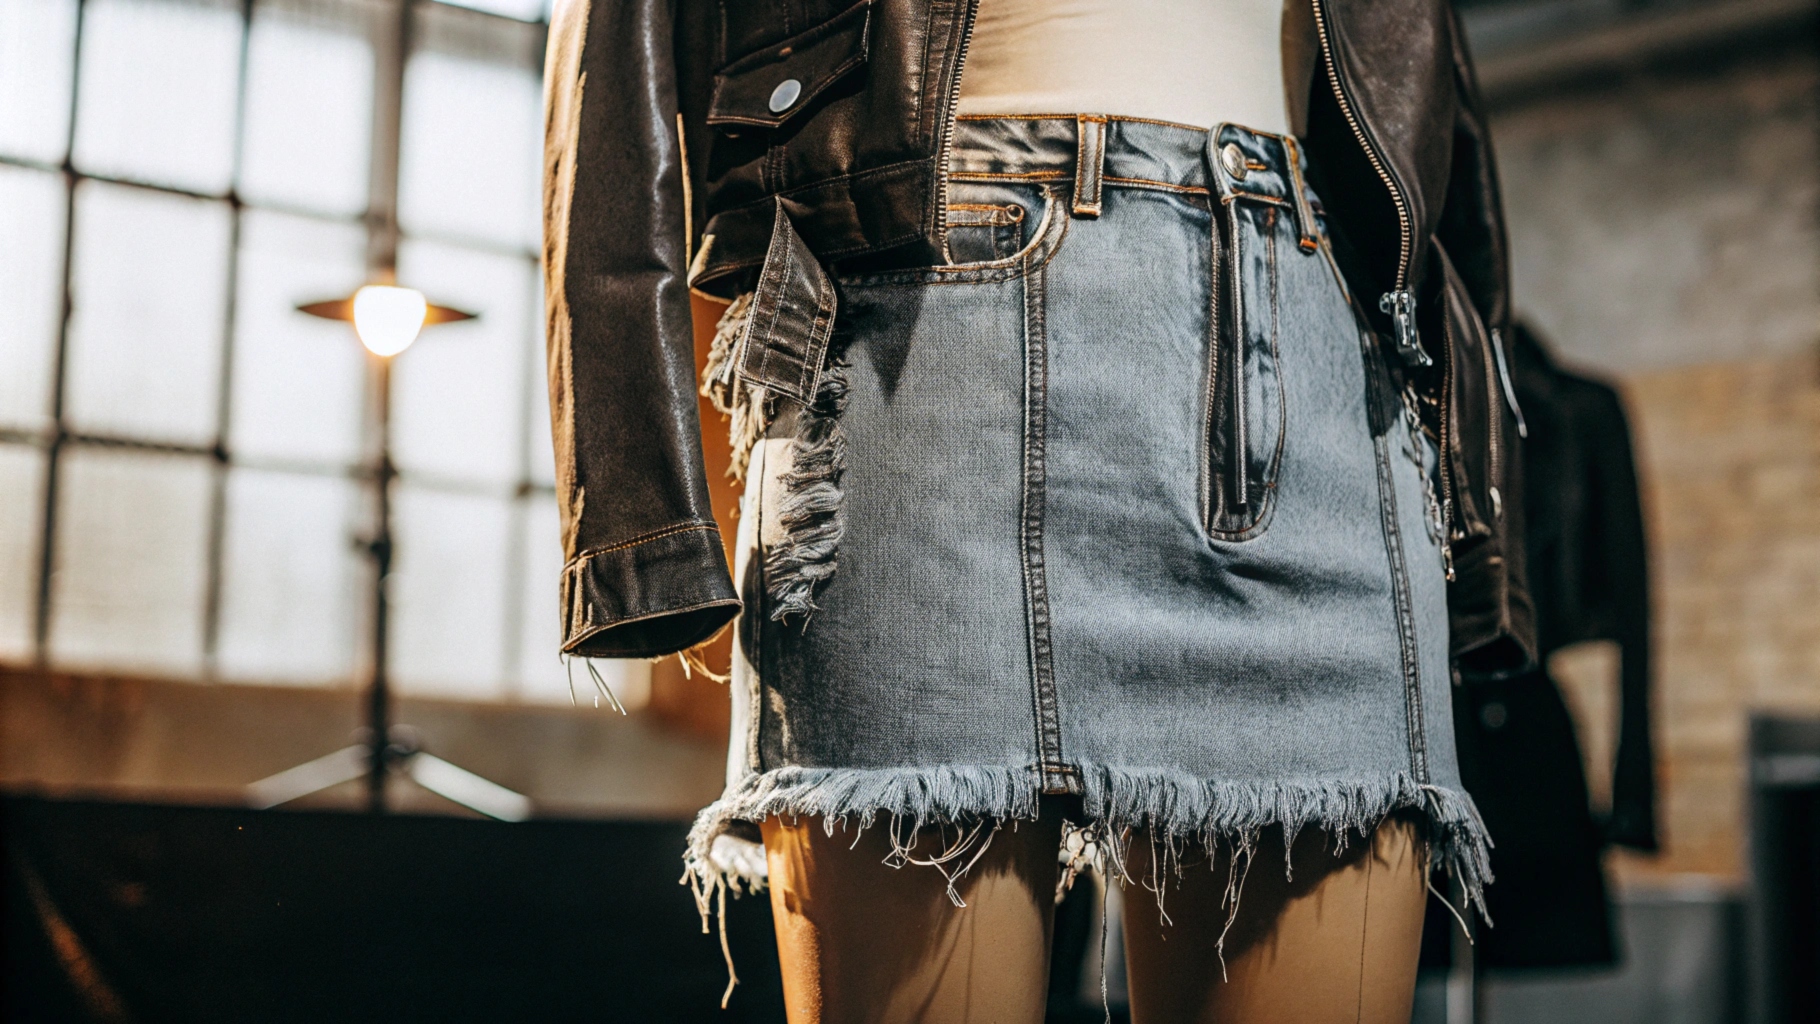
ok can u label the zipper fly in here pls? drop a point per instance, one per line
(1239, 459)
(1215, 254)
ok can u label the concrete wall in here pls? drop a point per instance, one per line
(1670, 220)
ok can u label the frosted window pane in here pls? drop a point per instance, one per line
(308, 118)
(540, 454)
(472, 150)
(298, 380)
(458, 391)
(157, 97)
(540, 670)
(21, 505)
(523, 10)
(150, 295)
(293, 589)
(448, 590)
(37, 53)
(31, 293)
(131, 553)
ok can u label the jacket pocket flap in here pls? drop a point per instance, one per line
(770, 86)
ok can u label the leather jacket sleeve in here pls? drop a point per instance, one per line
(645, 572)
(1622, 566)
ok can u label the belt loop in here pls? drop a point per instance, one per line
(784, 346)
(1089, 163)
(1304, 214)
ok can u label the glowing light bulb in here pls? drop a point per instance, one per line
(388, 318)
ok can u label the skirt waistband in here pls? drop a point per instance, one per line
(1097, 150)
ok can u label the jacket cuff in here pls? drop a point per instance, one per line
(648, 597)
(1492, 624)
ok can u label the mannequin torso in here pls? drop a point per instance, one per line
(1198, 63)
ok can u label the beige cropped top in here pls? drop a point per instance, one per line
(1196, 62)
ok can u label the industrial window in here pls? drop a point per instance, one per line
(181, 451)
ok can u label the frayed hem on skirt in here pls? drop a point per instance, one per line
(1177, 809)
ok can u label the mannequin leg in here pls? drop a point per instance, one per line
(1338, 943)
(864, 942)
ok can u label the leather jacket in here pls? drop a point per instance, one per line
(688, 140)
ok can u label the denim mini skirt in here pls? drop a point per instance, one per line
(1121, 502)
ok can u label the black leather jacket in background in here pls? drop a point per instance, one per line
(665, 168)
(1590, 555)
(1519, 752)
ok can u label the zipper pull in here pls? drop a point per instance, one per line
(1510, 393)
(1447, 560)
(1401, 305)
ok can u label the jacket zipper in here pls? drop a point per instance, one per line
(949, 116)
(1398, 302)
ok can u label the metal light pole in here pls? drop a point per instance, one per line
(391, 54)
(379, 548)
(387, 319)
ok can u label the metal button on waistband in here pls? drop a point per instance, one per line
(1230, 155)
(785, 95)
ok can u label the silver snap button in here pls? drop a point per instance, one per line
(1234, 160)
(784, 96)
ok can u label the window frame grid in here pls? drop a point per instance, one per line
(57, 436)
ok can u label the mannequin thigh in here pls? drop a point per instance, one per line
(1337, 942)
(861, 941)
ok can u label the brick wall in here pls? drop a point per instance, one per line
(1731, 472)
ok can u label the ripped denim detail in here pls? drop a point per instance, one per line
(810, 508)
(747, 406)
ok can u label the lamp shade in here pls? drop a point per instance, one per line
(386, 318)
